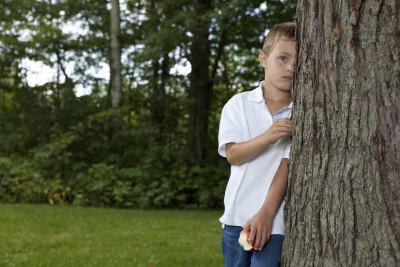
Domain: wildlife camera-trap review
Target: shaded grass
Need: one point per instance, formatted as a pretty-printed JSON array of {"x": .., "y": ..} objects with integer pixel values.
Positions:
[{"x": 41, "y": 235}]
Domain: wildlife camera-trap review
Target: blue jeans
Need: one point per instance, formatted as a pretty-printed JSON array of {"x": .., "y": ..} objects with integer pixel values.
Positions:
[{"x": 235, "y": 256}]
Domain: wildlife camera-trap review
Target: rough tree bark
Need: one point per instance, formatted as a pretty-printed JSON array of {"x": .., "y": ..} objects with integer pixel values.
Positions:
[
  {"x": 115, "y": 56},
  {"x": 200, "y": 91},
  {"x": 343, "y": 198}
]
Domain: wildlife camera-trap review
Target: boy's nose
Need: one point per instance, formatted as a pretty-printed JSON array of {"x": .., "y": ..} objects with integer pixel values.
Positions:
[{"x": 291, "y": 67}]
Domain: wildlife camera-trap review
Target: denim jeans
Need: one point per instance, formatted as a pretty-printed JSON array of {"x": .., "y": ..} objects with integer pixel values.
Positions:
[{"x": 235, "y": 256}]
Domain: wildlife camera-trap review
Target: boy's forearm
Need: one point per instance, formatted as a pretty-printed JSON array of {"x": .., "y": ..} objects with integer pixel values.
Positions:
[
  {"x": 239, "y": 153},
  {"x": 277, "y": 190}
]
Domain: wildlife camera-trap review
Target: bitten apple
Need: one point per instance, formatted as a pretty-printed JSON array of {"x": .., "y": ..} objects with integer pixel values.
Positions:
[{"x": 243, "y": 239}]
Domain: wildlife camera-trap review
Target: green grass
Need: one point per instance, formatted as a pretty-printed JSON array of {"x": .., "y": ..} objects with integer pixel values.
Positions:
[{"x": 41, "y": 235}]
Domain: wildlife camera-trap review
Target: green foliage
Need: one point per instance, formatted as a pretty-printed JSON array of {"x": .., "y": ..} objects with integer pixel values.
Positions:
[
  {"x": 101, "y": 185},
  {"x": 20, "y": 181},
  {"x": 57, "y": 147},
  {"x": 83, "y": 167}
]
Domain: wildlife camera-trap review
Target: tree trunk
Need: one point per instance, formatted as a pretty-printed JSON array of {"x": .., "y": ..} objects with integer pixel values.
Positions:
[
  {"x": 115, "y": 56},
  {"x": 343, "y": 198},
  {"x": 200, "y": 84},
  {"x": 157, "y": 101},
  {"x": 160, "y": 75}
]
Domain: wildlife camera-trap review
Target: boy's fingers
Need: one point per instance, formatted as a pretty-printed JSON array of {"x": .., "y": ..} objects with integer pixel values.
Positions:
[
  {"x": 278, "y": 127},
  {"x": 284, "y": 129},
  {"x": 252, "y": 235},
  {"x": 283, "y": 122},
  {"x": 257, "y": 240},
  {"x": 283, "y": 125},
  {"x": 263, "y": 240}
]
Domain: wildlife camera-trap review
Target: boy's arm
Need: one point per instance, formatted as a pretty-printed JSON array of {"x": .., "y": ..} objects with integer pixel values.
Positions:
[
  {"x": 239, "y": 153},
  {"x": 261, "y": 223}
]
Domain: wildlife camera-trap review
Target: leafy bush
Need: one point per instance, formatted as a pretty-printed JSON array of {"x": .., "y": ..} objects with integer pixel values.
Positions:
[
  {"x": 102, "y": 185},
  {"x": 20, "y": 181},
  {"x": 94, "y": 164}
]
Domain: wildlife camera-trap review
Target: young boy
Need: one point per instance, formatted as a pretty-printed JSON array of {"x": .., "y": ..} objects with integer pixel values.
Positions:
[{"x": 254, "y": 136}]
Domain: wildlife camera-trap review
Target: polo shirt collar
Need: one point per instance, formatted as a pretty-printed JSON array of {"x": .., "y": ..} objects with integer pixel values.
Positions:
[{"x": 256, "y": 95}]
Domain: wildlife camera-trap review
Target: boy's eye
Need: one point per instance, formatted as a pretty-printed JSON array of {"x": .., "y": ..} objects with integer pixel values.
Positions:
[{"x": 283, "y": 59}]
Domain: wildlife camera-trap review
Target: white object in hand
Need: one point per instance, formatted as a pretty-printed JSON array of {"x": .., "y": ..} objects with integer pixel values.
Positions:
[{"x": 243, "y": 239}]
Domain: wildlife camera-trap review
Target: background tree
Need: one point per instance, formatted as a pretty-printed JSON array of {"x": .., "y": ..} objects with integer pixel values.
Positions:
[
  {"x": 115, "y": 55},
  {"x": 200, "y": 91},
  {"x": 343, "y": 204}
]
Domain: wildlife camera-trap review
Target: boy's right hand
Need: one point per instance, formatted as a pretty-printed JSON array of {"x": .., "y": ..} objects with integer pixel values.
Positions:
[
  {"x": 278, "y": 129},
  {"x": 239, "y": 153}
]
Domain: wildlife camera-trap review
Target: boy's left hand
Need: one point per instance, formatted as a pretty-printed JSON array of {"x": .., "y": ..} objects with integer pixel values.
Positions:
[{"x": 260, "y": 229}]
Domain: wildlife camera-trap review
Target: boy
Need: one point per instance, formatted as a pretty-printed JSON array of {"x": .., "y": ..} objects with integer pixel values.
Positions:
[{"x": 254, "y": 136}]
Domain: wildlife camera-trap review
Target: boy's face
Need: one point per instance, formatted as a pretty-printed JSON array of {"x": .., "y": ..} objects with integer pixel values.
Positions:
[{"x": 279, "y": 65}]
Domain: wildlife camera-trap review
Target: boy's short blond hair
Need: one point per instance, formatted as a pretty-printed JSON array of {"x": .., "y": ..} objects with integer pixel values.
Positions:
[{"x": 281, "y": 31}]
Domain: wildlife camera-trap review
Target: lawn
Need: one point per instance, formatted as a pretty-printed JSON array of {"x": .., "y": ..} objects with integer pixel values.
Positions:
[{"x": 42, "y": 235}]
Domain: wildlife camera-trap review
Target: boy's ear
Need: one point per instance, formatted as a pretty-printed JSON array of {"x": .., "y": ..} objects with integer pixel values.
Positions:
[{"x": 262, "y": 58}]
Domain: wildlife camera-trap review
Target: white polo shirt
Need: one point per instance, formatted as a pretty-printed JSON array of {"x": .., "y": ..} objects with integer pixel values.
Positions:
[{"x": 244, "y": 117}]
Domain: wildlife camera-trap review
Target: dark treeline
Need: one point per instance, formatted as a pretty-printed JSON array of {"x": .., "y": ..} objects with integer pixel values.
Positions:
[{"x": 147, "y": 135}]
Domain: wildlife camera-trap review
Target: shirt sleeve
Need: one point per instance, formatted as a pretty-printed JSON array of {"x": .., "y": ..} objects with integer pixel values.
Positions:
[
  {"x": 286, "y": 150},
  {"x": 230, "y": 128}
]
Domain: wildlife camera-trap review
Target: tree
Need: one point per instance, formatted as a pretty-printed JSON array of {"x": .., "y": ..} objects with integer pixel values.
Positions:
[
  {"x": 157, "y": 15},
  {"x": 200, "y": 84},
  {"x": 343, "y": 198},
  {"x": 115, "y": 56}
]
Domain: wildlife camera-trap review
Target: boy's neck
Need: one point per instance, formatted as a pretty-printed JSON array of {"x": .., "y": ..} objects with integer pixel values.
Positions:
[{"x": 276, "y": 95}]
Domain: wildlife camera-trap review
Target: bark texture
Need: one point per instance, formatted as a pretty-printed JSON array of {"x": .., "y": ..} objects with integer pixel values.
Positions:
[
  {"x": 200, "y": 92},
  {"x": 343, "y": 198},
  {"x": 115, "y": 56}
]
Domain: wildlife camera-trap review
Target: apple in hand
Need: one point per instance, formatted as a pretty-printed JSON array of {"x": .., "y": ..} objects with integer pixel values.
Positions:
[{"x": 243, "y": 239}]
